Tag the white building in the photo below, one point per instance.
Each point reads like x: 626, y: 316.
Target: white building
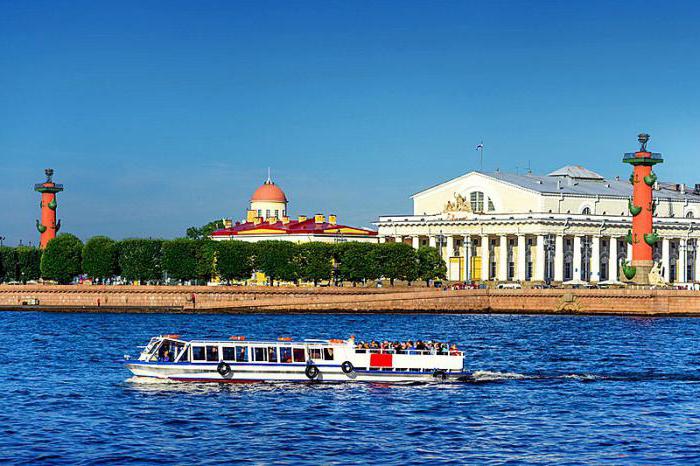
x: 569, y: 225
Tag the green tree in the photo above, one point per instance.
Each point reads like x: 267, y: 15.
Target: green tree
x: 234, y: 260
x: 204, y: 231
x: 101, y: 258
x: 187, y: 259
x: 395, y: 261
x: 276, y: 259
x: 61, y: 260
x: 140, y: 259
x: 355, y: 261
x: 9, y: 268
x: 28, y: 263
x: 315, y: 261
x: 430, y: 264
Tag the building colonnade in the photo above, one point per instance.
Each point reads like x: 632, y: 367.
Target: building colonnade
x: 552, y: 257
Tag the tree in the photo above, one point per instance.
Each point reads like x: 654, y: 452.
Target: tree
x: 61, y: 260
x: 355, y: 261
x: 395, y: 261
x: 9, y: 268
x: 204, y: 231
x: 187, y: 259
x: 276, y: 260
x: 234, y: 260
x: 430, y: 264
x: 28, y: 263
x: 140, y: 259
x: 101, y: 258
x: 315, y: 261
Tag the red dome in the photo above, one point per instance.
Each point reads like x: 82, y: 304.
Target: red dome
x: 269, y: 192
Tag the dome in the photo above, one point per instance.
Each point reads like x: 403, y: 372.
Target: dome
x: 269, y: 192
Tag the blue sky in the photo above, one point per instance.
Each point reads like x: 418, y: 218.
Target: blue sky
x: 161, y: 115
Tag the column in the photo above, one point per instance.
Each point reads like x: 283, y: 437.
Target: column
x: 697, y: 260
x: 382, y: 239
x: 432, y: 241
x: 666, y: 258
x: 682, y: 267
x: 540, y: 257
x: 577, y: 259
x: 398, y: 239
x: 595, y: 259
x: 415, y: 242
x: 559, y: 259
x: 467, y: 257
x: 502, y: 258
x: 612, y: 261
x: 522, y: 255
x: 485, y: 258
x: 452, y: 246
x: 629, y: 252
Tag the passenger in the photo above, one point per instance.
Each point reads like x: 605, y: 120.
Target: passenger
x: 453, y: 350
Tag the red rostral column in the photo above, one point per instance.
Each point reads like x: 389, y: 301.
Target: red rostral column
x: 48, y: 227
x: 641, y: 207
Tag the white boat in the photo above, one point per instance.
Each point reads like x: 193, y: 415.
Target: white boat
x: 236, y: 360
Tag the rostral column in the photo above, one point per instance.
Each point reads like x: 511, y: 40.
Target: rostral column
x: 48, y: 227
x: 642, y: 237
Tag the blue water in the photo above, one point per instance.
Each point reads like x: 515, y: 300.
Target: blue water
x: 548, y: 389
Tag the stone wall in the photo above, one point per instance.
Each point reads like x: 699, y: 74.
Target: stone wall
x: 297, y: 300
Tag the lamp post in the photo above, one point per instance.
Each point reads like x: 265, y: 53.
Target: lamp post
x: 549, y: 249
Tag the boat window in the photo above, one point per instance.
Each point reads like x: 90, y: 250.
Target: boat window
x: 328, y: 354
x: 299, y: 355
x: 272, y: 353
x: 198, y: 353
x: 229, y: 353
x: 286, y: 354
x: 259, y: 354
x: 241, y: 354
x: 314, y: 353
x: 212, y: 353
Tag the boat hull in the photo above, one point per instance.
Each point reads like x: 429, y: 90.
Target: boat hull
x: 252, y: 373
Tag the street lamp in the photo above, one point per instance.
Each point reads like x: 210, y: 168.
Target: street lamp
x: 2, y: 238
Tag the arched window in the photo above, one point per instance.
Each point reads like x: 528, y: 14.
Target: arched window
x: 478, y: 200
x: 586, y: 211
x: 690, y: 214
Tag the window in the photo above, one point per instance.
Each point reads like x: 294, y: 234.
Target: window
x: 277, y: 213
x: 229, y: 353
x: 267, y: 213
x: 259, y: 354
x: 259, y: 212
x: 272, y: 354
x: 586, y: 211
x: 198, y: 353
x: 314, y: 353
x: 241, y: 354
x: 476, y: 199
x: 690, y: 214
x: 286, y: 354
x: 491, y: 207
x: 212, y: 353
x: 328, y: 354
x: 299, y: 355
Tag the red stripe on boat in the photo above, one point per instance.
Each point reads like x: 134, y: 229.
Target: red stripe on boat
x: 380, y: 360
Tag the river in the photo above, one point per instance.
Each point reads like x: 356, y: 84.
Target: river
x: 566, y: 389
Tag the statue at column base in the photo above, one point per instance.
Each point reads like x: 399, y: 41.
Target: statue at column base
x: 646, y: 273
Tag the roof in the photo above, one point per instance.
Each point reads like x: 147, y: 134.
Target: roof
x: 577, y: 172
x: 270, y: 192
x: 293, y: 227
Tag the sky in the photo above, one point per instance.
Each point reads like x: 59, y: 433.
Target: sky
x: 157, y: 116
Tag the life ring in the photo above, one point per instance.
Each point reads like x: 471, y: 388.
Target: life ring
x: 224, y: 369
x: 347, y: 367
x: 440, y: 374
x: 311, y: 371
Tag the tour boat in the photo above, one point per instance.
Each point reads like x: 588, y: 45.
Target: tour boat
x: 168, y: 357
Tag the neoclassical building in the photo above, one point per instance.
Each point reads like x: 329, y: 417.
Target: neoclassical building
x: 267, y: 219
x: 570, y: 225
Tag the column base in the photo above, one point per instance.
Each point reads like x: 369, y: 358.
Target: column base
x: 645, y: 274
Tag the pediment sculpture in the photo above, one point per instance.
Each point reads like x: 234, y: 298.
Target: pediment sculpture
x: 460, y: 204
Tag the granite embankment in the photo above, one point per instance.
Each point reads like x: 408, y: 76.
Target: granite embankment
x: 81, y: 298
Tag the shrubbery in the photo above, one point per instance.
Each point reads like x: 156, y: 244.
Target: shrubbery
x: 198, y: 260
